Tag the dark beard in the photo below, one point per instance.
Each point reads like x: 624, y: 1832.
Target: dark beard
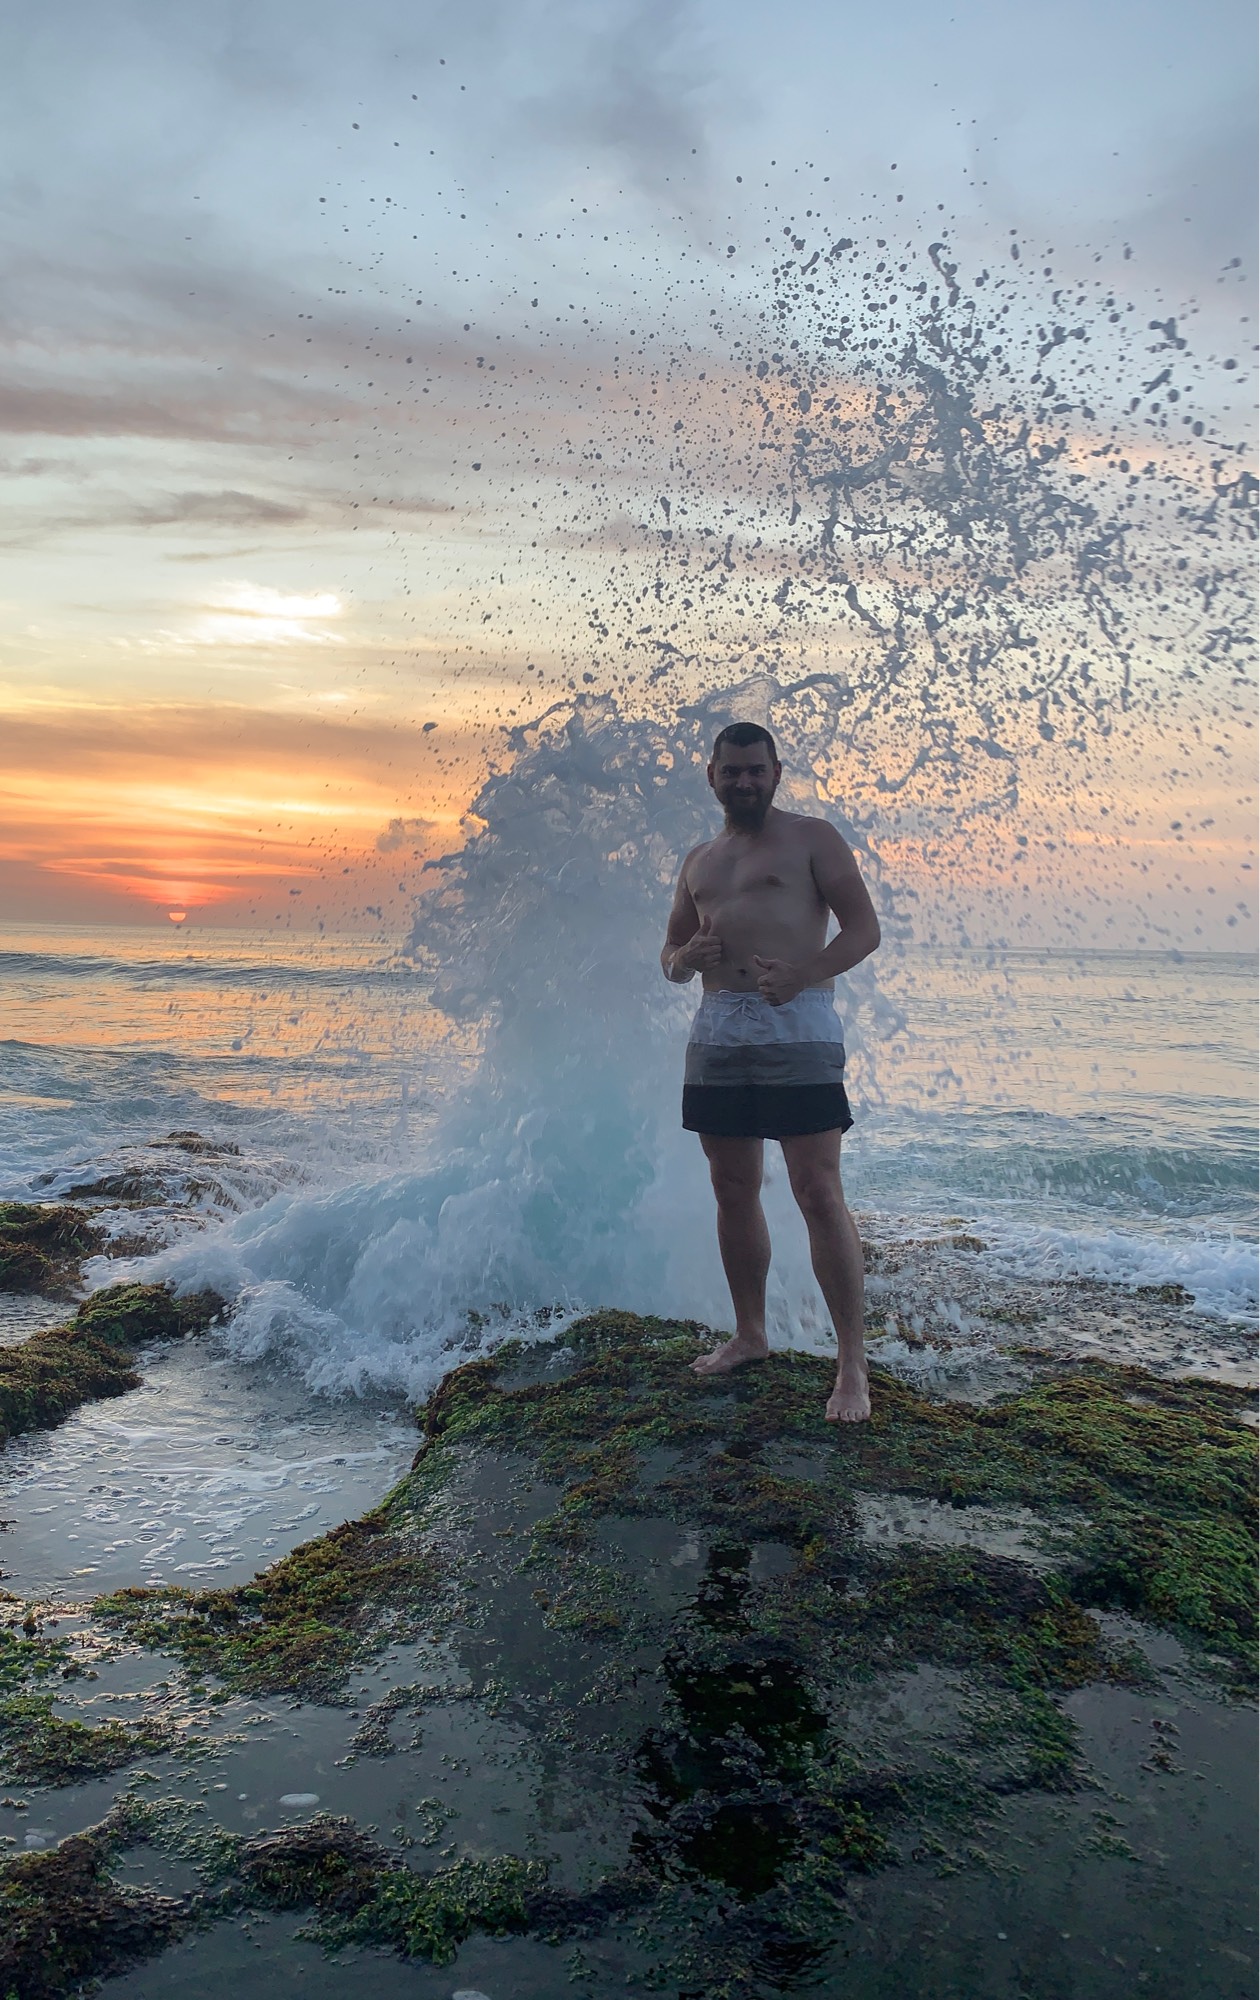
x: 747, y: 818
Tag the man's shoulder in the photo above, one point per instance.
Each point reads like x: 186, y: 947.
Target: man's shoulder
x: 809, y: 828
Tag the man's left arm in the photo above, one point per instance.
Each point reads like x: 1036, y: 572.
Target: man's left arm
x: 845, y: 893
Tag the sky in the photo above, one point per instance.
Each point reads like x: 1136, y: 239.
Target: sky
x: 369, y: 375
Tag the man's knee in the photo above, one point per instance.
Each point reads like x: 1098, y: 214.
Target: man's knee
x: 735, y: 1186
x: 818, y: 1196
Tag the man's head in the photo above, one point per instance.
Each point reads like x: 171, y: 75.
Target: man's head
x: 744, y: 772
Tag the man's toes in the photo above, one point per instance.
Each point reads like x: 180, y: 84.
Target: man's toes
x: 843, y: 1409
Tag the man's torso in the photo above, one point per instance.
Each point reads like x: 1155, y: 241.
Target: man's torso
x: 761, y: 897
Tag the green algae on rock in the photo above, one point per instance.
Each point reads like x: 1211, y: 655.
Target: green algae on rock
x: 55, y: 1371
x: 43, y: 1245
x: 430, y: 1916
x: 301, y: 1625
x: 38, y: 1746
x: 65, y: 1920
x: 664, y: 1584
x: 41, y: 1745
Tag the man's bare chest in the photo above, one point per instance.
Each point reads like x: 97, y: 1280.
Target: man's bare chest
x: 726, y: 874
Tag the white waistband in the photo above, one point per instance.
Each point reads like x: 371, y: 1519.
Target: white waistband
x: 729, y: 996
x: 810, y: 1017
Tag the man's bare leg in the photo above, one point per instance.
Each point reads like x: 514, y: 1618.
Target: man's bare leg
x: 835, y: 1248
x: 744, y: 1241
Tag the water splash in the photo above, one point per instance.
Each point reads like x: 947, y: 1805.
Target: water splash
x: 561, y: 1179
x: 895, y: 527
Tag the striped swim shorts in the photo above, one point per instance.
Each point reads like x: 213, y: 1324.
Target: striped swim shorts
x: 760, y: 1072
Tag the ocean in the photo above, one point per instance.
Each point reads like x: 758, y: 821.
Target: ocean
x: 1085, y: 1116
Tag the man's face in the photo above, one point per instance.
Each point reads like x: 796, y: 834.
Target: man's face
x: 744, y: 782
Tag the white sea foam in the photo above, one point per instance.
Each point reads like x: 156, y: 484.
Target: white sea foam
x: 384, y: 1283
x: 1220, y: 1273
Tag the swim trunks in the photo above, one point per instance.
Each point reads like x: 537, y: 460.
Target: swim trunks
x: 760, y: 1072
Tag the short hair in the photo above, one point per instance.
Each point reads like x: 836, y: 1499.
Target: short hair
x: 743, y: 735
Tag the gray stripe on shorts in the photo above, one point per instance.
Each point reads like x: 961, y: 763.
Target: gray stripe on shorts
x: 791, y: 1065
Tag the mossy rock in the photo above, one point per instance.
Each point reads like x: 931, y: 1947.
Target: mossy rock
x: 667, y: 1578
x: 64, y: 1921
x: 42, y: 1247
x: 52, y: 1373
x: 301, y: 1625
x: 127, y: 1317
x: 38, y: 1746
x: 1146, y: 1486
x: 429, y: 1917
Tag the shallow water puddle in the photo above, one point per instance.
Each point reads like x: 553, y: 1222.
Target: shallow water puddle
x: 25, y: 1313
x: 201, y: 1475
x: 1008, y: 1531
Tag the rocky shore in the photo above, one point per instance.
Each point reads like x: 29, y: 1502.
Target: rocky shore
x: 663, y: 1683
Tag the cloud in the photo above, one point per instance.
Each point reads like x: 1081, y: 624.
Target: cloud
x: 259, y: 600
x: 195, y: 411
x: 194, y: 739
x: 226, y: 509
x: 59, y: 412
x: 254, y: 614
x: 630, y: 84
x: 405, y: 833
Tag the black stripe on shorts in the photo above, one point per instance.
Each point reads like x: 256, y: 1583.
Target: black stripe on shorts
x: 764, y: 1110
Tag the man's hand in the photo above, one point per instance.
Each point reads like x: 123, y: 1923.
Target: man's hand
x: 701, y: 952
x: 778, y: 982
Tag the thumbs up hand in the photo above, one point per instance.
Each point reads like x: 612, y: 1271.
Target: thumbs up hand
x: 702, y: 951
x: 777, y: 981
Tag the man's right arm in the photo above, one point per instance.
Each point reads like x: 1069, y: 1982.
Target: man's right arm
x: 689, y: 946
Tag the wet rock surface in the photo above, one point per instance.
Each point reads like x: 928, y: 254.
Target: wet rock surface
x: 665, y: 1685
x: 42, y: 1247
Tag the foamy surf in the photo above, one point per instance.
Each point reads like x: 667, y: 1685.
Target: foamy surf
x: 1218, y: 1274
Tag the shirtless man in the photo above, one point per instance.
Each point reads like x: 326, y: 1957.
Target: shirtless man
x: 766, y: 1054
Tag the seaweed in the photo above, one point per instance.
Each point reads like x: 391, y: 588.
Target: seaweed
x: 64, y: 1919
x: 42, y: 1247
x: 38, y: 1746
x: 429, y: 1916
x: 92, y: 1356
x: 301, y: 1625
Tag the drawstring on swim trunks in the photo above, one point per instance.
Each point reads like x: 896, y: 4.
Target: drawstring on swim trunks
x: 749, y: 1003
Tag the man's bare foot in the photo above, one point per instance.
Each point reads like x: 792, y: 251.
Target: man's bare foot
x: 850, y: 1400
x: 733, y: 1354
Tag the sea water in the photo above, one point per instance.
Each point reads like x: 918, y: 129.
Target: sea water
x: 378, y: 1192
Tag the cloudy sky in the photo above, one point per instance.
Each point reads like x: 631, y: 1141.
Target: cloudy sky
x: 349, y: 354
